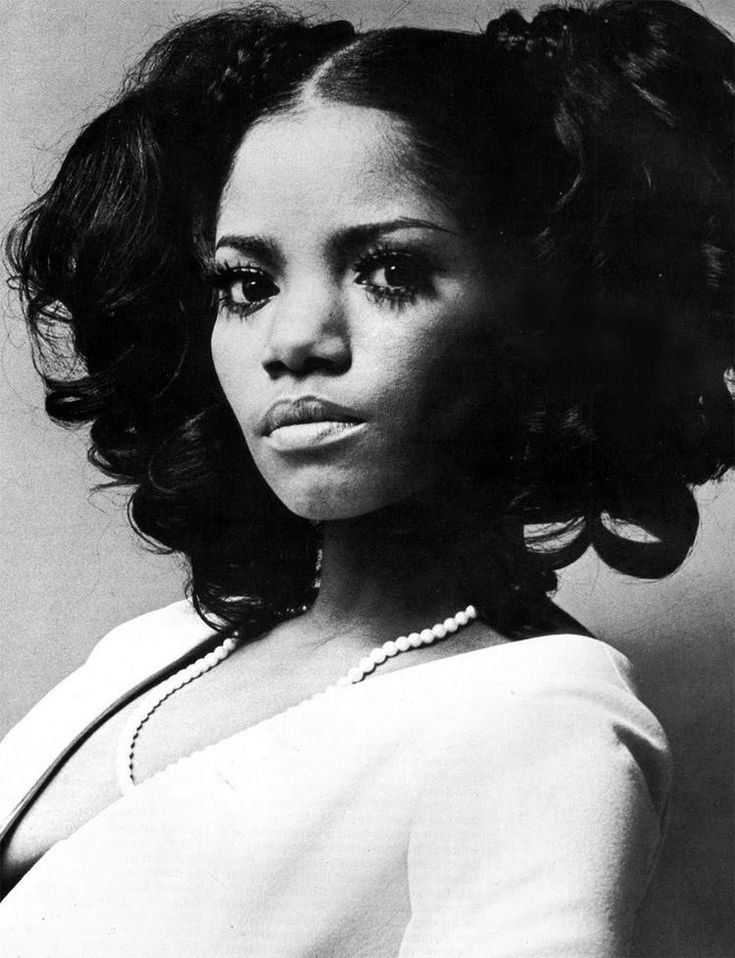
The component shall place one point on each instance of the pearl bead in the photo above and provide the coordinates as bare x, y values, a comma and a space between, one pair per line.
450, 625
402, 643
390, 648
366, 664
355, 675
439, 631
414, 640
131, 733
461, 617
379, 656
427, 636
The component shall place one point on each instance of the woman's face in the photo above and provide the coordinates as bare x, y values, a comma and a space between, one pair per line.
351, 302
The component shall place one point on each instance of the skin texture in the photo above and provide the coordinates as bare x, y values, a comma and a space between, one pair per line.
384, 322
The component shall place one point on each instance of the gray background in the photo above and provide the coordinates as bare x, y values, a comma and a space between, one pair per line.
71, 569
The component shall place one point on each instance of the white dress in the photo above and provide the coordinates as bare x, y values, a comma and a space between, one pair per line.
502, 802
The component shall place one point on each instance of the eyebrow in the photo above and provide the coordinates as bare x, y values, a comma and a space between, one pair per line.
349, 237
256, 246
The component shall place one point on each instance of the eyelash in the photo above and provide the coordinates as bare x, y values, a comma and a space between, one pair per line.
223, 276
397, 296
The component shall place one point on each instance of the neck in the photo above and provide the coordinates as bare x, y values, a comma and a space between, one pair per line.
399, 569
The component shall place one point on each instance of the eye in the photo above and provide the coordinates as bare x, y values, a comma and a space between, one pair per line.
243, 288
399, 273
251, 287
392, 275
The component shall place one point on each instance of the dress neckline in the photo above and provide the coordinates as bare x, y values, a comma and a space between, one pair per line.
339, 694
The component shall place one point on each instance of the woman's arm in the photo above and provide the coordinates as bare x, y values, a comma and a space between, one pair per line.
536, 836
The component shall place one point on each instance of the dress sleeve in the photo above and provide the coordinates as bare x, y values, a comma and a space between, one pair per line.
127, 657
536, 833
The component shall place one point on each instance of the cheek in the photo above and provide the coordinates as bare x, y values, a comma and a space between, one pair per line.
232, 352
449, 372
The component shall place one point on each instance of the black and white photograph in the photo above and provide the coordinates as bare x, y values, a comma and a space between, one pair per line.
366, 479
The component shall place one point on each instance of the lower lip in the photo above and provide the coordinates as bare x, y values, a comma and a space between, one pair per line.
313, 435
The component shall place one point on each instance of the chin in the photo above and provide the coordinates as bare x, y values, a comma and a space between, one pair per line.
339, 502
330, 506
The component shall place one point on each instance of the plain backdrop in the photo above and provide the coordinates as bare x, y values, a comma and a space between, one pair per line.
71, 569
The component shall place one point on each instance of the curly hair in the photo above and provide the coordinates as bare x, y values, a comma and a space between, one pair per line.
596, 140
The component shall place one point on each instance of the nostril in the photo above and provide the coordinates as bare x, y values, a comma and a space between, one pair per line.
275, 368
301, 355
307, 365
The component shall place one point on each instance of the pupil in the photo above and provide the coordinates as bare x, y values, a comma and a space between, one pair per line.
254, 290
396, 274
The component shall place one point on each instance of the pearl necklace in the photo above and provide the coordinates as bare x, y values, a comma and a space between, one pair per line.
404, 643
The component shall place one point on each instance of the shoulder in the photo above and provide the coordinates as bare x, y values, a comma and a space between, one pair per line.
155, 637
567, 665
541, 807
567, 696
124, 658
548, 666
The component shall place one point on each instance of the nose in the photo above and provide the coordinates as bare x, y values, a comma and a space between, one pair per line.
308, 333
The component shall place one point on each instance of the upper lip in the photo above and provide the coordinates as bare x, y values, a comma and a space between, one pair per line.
289, 411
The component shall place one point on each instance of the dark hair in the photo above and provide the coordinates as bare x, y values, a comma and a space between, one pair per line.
597, 141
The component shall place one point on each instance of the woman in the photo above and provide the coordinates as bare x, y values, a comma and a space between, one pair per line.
353, 312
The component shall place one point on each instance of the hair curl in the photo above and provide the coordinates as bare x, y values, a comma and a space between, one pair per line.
598, 138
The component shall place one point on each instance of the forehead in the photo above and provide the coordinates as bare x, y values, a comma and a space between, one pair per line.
326, 162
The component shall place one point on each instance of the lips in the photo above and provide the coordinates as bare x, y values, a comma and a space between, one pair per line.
303, 410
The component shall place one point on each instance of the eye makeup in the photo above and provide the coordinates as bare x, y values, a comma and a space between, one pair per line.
393, 274
242, 289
